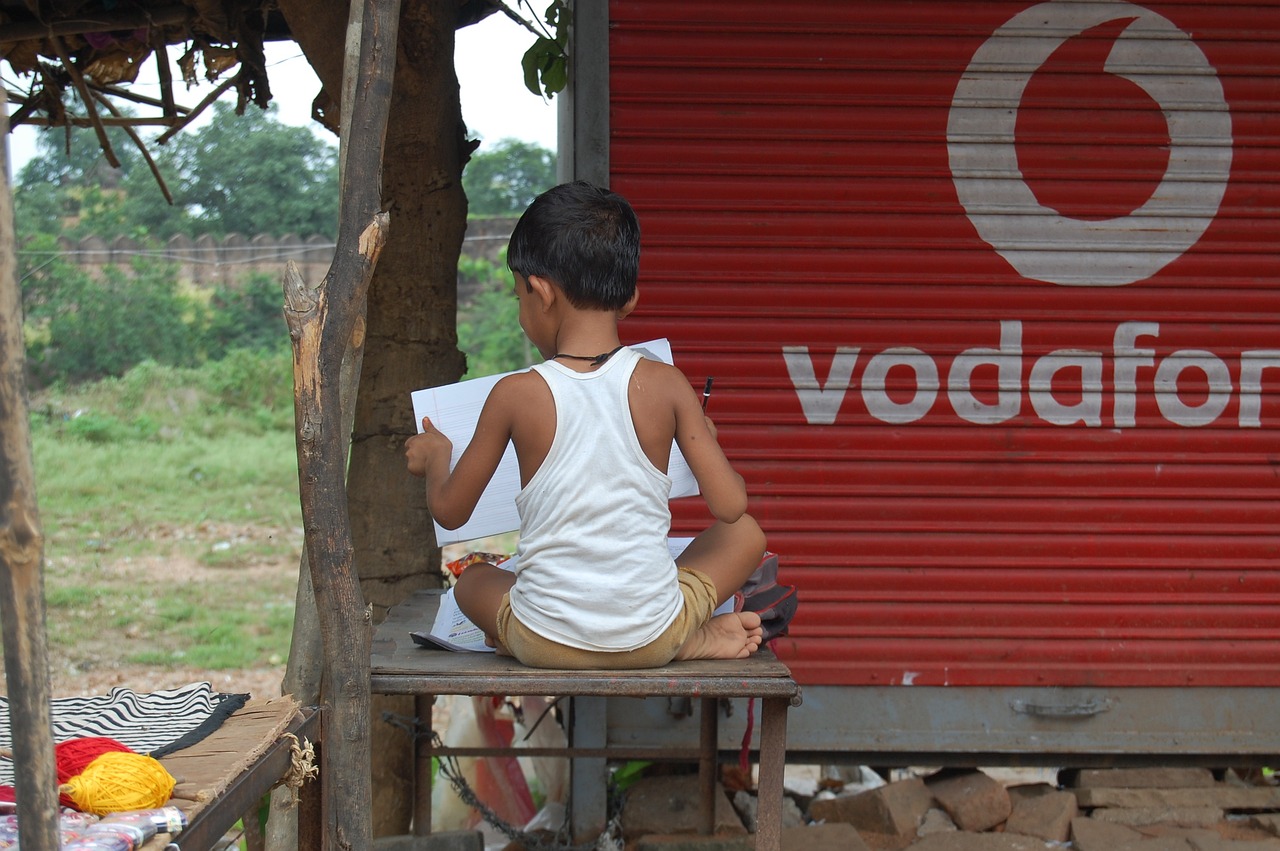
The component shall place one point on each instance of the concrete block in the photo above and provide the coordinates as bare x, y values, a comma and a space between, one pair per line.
1090, 835
445, 840
836, 836
1182, 816
663, 806
972, 799
1045, 816
1139, 778
893, 811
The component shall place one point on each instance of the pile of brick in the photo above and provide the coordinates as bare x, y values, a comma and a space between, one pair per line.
1147, 809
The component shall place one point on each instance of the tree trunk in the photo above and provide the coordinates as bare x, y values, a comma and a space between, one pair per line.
411, 342
26, 649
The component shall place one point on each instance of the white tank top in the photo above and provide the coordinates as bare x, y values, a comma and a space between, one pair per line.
594, 570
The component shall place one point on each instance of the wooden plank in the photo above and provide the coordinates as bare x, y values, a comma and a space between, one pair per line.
399, 666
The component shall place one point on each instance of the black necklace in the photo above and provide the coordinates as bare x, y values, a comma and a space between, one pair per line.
595, 360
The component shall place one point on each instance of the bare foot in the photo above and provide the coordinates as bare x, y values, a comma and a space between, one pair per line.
735, 635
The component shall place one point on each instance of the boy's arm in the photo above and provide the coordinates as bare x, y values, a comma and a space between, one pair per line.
721, 486
452, 496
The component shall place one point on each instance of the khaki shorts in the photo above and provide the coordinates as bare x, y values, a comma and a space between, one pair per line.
538, 652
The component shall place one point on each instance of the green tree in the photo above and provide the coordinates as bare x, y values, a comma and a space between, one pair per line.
503, 180
246, 174
489, 332
70, 188
88, 329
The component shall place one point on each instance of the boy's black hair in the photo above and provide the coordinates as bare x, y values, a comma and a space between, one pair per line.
584, 238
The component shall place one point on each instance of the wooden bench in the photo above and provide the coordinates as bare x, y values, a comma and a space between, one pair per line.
399, 666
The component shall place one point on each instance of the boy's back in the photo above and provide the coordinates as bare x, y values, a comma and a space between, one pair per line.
594, 568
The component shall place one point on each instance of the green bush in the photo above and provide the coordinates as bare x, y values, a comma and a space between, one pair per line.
252, 381
97, 428
248, 316
92, 329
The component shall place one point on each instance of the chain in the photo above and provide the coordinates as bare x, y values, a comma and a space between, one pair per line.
450, 770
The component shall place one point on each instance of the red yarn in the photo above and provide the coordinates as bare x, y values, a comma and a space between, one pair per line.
74, 755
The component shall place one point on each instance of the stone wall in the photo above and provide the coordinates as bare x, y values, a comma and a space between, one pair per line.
207, 262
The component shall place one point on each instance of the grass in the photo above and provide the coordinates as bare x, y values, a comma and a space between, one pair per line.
169, 504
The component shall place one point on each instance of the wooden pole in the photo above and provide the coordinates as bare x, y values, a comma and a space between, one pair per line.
324, 324
26, 650
306, 653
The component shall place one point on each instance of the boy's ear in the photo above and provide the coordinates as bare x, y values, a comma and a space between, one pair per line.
545, 291
630, 305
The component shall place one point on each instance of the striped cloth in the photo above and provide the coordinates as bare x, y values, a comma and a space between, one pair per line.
157, 723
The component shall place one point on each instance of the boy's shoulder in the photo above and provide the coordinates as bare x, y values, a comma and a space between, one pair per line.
517, 385
659, 370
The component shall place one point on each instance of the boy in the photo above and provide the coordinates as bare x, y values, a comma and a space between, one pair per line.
592, 426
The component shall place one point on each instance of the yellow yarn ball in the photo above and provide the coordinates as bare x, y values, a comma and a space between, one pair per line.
117, 781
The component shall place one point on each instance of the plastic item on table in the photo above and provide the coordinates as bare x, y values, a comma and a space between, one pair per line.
70, 819
458, 565
111, 837
100, 843
161, 819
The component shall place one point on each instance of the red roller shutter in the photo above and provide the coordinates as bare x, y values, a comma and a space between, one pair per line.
991, 296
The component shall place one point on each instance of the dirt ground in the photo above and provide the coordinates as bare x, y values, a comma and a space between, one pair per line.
77, 677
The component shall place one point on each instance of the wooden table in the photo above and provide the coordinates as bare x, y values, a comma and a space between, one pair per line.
224, 777
399, 666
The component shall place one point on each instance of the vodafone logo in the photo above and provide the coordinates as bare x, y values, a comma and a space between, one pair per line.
1039, 242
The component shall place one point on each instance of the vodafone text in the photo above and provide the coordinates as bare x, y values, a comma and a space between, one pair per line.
1132, 354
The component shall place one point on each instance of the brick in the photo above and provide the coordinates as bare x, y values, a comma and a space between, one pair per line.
1161, 843
1139, 778
1222, 796
1044, 816
979, 842
1221, 844
893, 811
747, 806
1091, 835
1029, 790
1181, 816
1270, 822
837, 836
936, 821
972, 799
668, 805
686, 842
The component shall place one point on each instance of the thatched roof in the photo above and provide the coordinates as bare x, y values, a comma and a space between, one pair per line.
95, 48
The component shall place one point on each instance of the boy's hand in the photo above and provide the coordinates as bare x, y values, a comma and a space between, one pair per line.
429, 448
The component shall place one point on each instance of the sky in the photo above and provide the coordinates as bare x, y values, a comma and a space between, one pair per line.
495, 103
